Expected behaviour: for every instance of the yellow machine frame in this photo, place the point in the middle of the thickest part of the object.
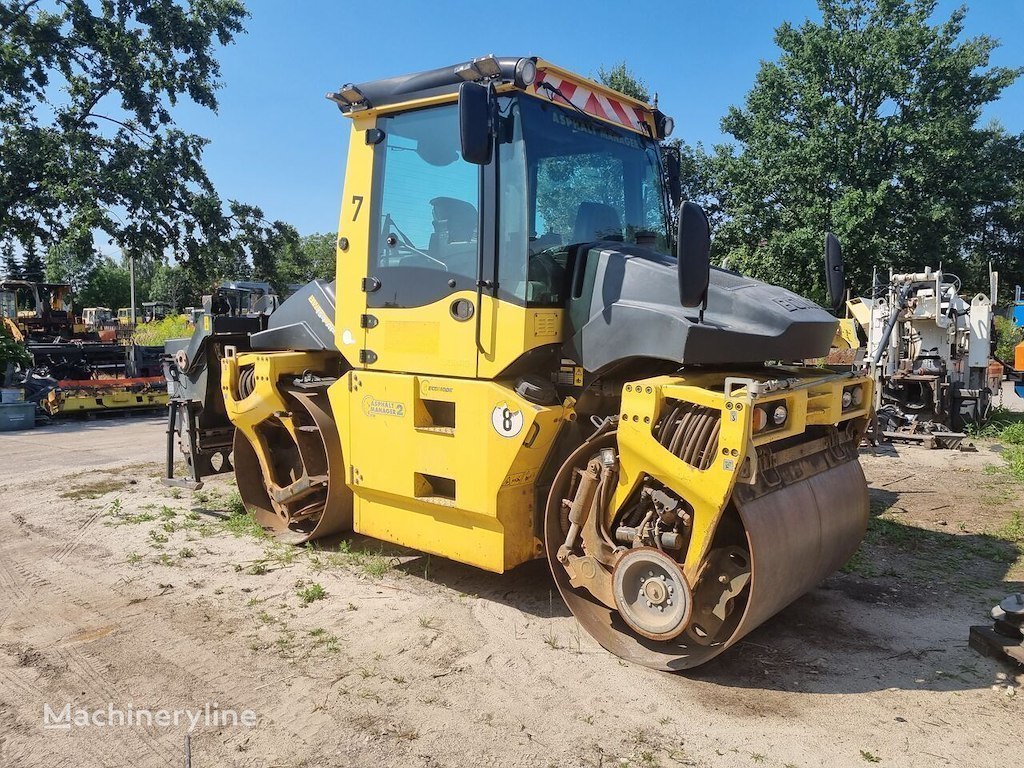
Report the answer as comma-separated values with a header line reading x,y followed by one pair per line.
x,y
428,469
64,402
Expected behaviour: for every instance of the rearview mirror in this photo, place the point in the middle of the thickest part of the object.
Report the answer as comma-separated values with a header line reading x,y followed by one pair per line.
x,y
693,255
475,130
835,276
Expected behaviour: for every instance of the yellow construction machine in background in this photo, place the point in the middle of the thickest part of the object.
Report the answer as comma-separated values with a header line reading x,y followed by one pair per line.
x,y
520,359
77,363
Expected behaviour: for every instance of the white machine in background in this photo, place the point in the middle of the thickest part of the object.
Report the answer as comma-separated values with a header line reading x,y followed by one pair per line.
x,y
933,368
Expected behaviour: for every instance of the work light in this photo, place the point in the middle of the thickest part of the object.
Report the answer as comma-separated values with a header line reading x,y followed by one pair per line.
x,y
483,68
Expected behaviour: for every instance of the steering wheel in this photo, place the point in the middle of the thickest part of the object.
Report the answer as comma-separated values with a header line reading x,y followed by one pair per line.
x,y
544,267
413,254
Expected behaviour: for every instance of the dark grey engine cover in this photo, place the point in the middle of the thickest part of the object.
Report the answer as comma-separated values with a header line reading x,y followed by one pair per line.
x,y
304,322
625,305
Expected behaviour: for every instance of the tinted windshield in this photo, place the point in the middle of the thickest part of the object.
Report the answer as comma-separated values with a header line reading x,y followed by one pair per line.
x,y
566,179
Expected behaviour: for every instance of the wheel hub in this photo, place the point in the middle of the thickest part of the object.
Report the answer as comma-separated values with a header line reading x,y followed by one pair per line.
x,y
651,593
656,591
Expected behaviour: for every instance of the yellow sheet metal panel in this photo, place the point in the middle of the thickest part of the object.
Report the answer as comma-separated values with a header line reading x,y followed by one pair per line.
x,y
445,465
430,340
645,402
846,333
354,232
641,455
427,339
860,312
507,331
265,399
56,404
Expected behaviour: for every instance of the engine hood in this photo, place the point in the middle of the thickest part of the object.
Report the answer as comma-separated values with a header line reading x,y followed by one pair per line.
x,y
624,304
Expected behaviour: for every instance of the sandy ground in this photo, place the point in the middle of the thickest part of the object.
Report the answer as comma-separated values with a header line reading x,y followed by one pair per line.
x,y
118,592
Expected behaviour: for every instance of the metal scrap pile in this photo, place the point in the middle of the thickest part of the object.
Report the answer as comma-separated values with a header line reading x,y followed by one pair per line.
x,y
71,366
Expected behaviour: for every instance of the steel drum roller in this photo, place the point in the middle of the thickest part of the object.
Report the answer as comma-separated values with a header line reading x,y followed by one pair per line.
x,y
796,536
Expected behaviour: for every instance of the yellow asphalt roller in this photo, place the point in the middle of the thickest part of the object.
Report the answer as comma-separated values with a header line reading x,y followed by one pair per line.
x,y
521,358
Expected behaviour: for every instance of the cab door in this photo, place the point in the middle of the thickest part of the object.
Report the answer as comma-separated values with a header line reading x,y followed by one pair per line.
x,y
425,244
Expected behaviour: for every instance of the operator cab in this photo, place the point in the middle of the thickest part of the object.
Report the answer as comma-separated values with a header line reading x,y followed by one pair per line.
x,y
468,253
560,178
45,309
241,298
155,310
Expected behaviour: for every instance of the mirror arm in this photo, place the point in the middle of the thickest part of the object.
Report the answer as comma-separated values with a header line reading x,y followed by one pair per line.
x,y
496,185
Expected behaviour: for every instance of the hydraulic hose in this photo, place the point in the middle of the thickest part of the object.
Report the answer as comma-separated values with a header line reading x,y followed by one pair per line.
x,y
894,316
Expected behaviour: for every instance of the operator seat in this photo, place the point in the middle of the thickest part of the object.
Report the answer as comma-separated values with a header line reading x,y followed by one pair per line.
x,y
596,221
454,240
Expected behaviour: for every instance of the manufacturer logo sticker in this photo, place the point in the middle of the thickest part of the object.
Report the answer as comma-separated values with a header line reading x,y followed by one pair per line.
x,y
506,422
374,407
321,314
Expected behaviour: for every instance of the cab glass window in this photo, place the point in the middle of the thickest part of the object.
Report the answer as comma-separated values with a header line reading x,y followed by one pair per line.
x,y
429,195
584,181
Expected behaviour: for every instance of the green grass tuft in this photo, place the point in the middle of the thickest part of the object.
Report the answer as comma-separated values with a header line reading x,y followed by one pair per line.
x,y
244,524
234,504
1013,531
310,593
1013,433
1013,455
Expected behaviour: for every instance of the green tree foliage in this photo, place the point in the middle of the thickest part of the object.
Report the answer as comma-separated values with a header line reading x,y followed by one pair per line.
x,y
89,143
89,146
242,245
1008,335
868,125
175,285
87,93
998,233
321,252
109,285
32,266
622,79
11,265
306,258
71,261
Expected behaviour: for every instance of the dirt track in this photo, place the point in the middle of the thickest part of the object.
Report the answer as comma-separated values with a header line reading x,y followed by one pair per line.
x,y
114,589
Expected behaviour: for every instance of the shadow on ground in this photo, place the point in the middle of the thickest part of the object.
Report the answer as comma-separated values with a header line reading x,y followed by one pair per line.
x,y
897,616
851,635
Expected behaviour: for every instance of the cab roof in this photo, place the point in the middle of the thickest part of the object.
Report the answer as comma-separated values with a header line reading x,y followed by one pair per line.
x,y
506,72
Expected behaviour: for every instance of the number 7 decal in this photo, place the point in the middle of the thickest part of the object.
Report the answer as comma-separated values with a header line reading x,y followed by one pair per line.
x,y
357,200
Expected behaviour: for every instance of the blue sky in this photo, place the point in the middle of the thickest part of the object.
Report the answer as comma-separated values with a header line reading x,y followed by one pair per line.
x,y
278,143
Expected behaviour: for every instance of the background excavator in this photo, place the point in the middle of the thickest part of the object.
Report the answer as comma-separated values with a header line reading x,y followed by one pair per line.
x,y
523,358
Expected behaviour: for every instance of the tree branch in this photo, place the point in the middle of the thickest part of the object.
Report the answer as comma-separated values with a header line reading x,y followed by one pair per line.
x,y
15,15
141,134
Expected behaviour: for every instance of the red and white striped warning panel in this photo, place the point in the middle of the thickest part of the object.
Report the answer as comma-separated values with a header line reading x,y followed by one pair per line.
x,y
590,101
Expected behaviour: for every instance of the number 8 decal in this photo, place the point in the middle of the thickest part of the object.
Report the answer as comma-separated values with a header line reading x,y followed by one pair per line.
x,y
506,422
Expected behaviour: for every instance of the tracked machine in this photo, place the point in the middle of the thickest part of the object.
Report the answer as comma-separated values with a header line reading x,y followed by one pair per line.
x,y
521,358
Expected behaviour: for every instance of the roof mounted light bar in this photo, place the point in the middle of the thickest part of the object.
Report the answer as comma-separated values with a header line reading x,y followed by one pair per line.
x,y
481,68
489,68
349,99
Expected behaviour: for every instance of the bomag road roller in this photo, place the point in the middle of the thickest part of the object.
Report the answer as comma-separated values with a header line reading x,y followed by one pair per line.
x,y
523,357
